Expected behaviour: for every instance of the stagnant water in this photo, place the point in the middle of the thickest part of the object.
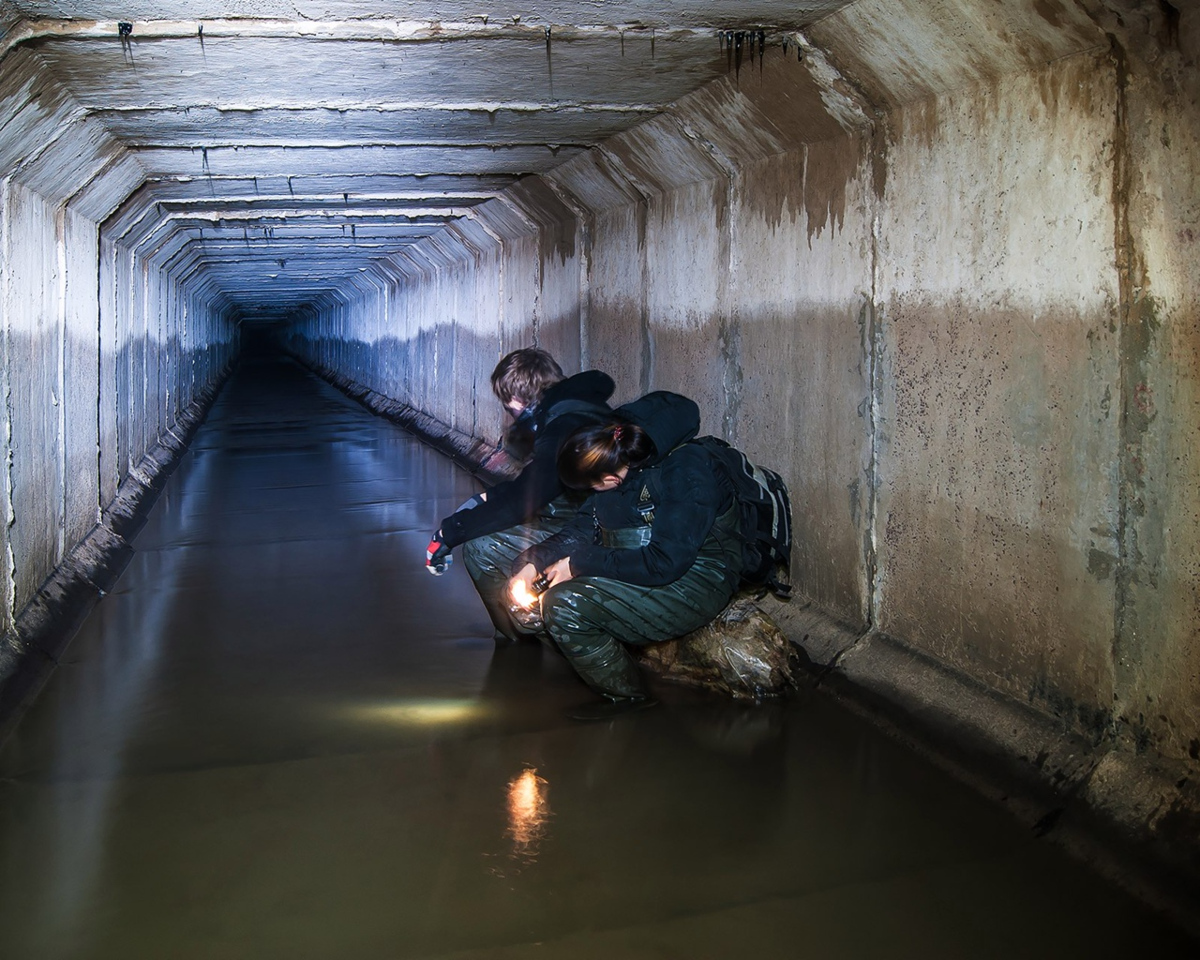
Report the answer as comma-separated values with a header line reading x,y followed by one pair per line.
x,y
279,737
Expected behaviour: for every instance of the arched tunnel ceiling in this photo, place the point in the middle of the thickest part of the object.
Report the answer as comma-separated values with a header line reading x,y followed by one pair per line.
x,y
283,147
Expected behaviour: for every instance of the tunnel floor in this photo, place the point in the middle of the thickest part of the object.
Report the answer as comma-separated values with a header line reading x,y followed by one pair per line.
x,y
279,737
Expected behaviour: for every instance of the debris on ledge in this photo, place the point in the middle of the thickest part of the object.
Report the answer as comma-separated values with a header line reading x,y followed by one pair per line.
x,y
741,653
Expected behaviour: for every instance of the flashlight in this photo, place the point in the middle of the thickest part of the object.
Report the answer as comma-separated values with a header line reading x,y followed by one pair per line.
x,y
525,608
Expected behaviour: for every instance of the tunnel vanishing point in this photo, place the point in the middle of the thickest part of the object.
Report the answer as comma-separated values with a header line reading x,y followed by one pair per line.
x,y
934,260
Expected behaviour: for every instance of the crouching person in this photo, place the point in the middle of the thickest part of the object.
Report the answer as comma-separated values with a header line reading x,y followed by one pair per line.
x,y
653,554
494,527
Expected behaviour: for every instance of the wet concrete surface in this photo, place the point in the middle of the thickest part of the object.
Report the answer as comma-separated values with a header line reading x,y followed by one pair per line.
x,y
279,737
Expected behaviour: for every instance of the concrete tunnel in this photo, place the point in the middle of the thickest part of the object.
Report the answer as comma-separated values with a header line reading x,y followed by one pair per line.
x,y
934,260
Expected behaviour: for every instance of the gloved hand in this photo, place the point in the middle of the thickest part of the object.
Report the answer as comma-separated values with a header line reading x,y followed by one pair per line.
x,y
438,557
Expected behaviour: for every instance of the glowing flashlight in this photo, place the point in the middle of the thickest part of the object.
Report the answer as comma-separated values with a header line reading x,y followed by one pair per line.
x,y
525,608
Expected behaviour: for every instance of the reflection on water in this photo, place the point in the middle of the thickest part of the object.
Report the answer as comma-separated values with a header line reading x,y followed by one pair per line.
x,y
423,713
105,713
528,813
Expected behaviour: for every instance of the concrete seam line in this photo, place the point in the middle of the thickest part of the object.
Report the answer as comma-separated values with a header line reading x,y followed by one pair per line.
x,y
10,572
99,377
562,106
60,376
375,29
834,664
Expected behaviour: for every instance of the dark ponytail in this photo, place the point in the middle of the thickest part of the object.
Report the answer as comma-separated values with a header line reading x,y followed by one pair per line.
x,y
594,452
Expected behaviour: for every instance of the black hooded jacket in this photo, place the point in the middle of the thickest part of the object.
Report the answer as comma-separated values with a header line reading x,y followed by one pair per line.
x,y
679,486
518,500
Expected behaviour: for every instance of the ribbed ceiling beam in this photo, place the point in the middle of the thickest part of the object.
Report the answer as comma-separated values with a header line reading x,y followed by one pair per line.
x,y
374,29
292,154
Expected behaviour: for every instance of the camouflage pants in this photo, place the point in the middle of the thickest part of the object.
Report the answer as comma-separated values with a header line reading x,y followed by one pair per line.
x,y
489,561
590,619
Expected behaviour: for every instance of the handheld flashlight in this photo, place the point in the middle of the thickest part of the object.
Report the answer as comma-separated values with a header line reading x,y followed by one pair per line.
x,y
525,608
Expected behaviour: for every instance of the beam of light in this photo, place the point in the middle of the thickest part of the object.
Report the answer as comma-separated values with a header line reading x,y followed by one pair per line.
x,y
528,812
421,713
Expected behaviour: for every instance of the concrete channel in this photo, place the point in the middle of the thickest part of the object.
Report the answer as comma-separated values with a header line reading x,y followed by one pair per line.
x,y
935,261
277,736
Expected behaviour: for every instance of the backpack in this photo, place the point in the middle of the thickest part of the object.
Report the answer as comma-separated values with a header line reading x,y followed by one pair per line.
x,y
765,511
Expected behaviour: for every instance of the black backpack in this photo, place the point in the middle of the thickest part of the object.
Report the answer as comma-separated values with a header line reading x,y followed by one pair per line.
x,y
766,515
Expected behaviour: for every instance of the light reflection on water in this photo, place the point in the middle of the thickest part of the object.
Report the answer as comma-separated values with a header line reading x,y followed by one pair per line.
x,y
528,813
425,712
109,699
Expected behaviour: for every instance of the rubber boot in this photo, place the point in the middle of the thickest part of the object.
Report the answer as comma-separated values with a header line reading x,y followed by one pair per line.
x,y
605,666
610,709
609,670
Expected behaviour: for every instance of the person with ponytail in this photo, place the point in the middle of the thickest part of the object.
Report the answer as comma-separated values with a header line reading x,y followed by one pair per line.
x,y
653,554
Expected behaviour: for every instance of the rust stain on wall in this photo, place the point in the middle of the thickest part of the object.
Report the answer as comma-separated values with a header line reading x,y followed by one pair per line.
x,y
1070,88
920,123
773,191
1049,12
830,168
880,153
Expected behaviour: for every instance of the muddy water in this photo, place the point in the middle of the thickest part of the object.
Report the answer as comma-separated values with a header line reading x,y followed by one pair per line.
x,y
279,737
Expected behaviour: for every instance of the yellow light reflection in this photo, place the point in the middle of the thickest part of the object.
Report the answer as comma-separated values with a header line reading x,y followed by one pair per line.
x,y
528,812
424,713
522,595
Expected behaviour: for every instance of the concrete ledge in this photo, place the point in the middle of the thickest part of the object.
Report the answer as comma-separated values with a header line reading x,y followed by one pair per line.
x,y
44,627
481,459
1134,819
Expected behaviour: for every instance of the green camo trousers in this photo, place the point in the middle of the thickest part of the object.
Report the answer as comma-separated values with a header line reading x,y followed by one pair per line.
x,y
489,561
591,618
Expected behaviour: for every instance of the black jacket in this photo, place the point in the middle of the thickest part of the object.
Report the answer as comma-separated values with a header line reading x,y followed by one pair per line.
x,y
680,487
518,500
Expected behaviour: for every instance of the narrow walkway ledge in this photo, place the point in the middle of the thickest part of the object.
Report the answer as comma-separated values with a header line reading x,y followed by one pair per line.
x,y
1074,791
1070,790
486,461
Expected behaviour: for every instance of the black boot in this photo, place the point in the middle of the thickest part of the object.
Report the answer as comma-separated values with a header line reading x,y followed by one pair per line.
x,y
610,707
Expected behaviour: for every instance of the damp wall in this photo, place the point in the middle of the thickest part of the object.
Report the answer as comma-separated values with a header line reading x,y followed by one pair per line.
x,y
103,356
937,264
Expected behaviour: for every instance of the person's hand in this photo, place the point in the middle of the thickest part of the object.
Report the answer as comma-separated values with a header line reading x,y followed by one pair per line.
x,y
520,587
437,556
559,571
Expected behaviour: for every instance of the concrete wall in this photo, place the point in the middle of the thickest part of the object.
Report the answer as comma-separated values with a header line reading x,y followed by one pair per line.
x,y
102,352
427,329
998,467
941,272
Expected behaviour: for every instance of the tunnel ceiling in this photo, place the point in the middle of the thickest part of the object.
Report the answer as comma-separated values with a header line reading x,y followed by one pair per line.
x,y
280,149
